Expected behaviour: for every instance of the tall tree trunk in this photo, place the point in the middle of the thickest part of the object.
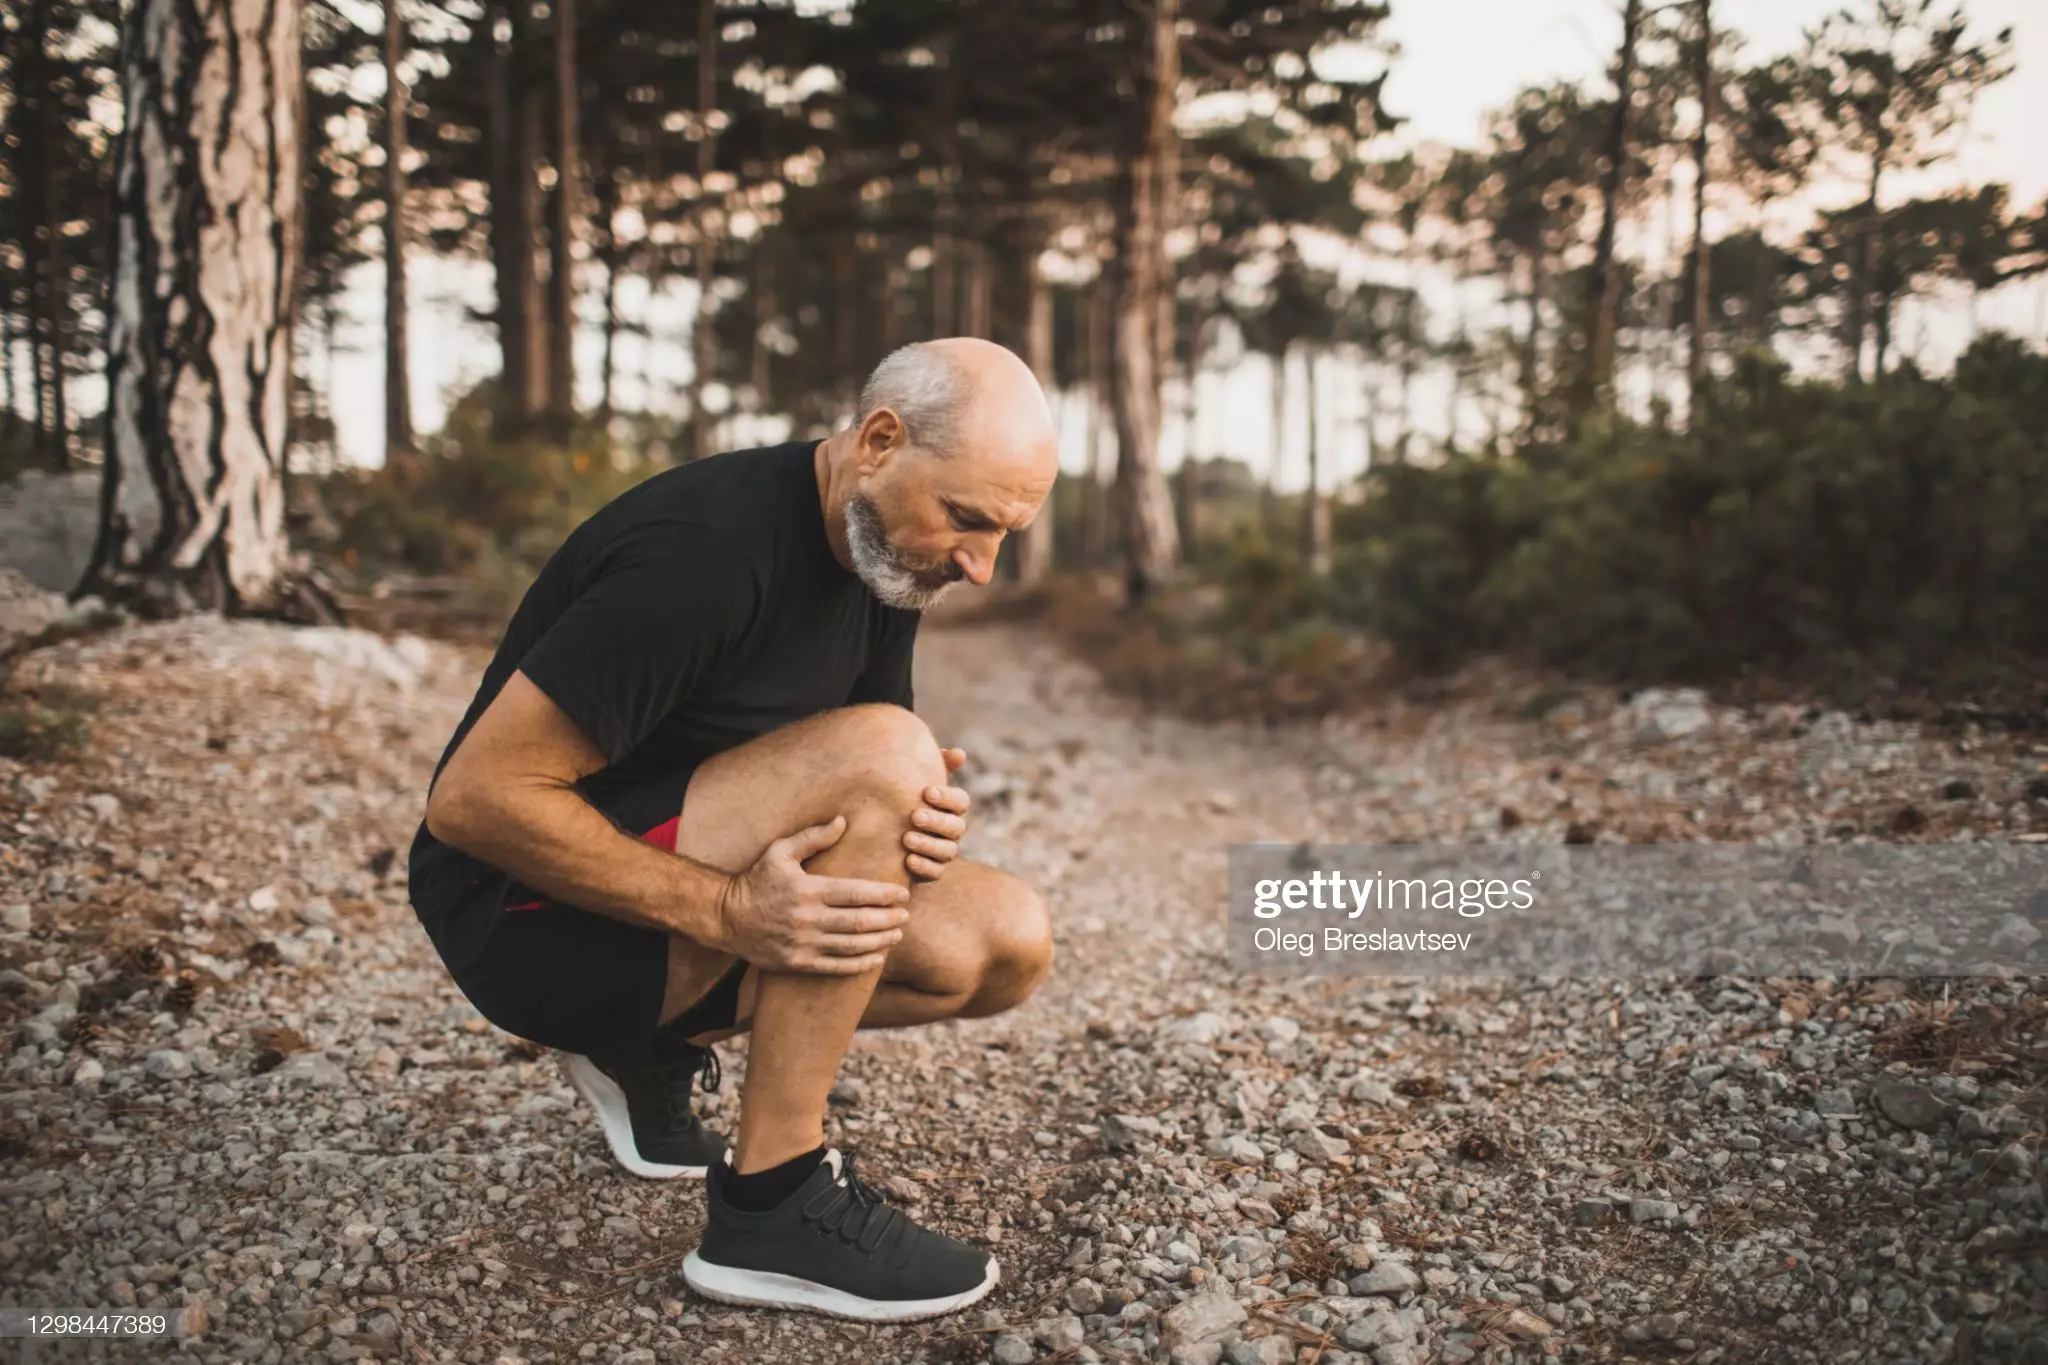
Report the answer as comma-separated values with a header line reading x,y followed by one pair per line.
x,y
32,170
1035,545
1404,434
1095,352
613,260
1276,412
1187,480
1702,295
1532,347
9,398
1866,267
845,287
701,339
398,440
205,260
978,284
1137,269
568,218
764,316
1315,512
512,204
1604,279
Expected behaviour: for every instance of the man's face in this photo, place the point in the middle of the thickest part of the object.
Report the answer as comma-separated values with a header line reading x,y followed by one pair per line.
x,y
919,523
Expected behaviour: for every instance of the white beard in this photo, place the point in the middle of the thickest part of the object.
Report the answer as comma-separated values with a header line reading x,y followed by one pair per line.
x,y
878,563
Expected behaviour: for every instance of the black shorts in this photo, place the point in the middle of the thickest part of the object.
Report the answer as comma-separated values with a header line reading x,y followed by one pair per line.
x,y
555,974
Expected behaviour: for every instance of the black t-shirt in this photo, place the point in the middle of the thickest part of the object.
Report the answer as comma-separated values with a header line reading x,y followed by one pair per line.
x,y
696,611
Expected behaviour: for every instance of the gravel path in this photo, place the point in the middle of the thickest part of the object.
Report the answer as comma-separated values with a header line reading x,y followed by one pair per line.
x,y
241,1092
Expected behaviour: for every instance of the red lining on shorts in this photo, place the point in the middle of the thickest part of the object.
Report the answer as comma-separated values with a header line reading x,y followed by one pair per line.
x,y
662,835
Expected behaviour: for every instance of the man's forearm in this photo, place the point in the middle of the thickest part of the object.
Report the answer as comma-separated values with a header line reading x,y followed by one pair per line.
x,y
554,841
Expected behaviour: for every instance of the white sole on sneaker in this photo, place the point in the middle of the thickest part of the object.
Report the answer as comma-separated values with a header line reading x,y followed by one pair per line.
x,y
603,1094
765,1289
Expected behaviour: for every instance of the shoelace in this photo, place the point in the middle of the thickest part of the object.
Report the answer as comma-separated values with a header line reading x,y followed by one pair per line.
x,y
690,1065
853,1210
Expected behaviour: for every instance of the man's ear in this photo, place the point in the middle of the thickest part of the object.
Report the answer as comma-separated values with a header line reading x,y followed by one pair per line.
x,y
881,436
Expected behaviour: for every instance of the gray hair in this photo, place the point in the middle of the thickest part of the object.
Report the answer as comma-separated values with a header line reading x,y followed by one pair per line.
x,y
927,390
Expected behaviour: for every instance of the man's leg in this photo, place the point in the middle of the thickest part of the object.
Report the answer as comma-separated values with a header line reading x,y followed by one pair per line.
x,y
979,942
960,954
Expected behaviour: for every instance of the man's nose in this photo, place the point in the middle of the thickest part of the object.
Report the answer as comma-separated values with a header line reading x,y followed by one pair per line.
x,y
978,569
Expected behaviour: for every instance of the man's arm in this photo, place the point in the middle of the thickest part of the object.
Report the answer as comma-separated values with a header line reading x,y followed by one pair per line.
x,y
508,796
660,612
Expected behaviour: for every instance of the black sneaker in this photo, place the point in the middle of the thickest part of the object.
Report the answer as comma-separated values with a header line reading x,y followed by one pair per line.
x,y
643,1105
833,1247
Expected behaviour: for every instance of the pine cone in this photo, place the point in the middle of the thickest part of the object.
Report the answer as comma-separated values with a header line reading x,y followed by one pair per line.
x,y
141,959
182,995
85,1031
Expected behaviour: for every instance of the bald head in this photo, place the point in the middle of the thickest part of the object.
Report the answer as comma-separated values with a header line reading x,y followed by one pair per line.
x,y
962,395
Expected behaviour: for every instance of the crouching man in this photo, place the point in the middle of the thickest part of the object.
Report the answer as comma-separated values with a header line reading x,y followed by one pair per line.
x,y
691,799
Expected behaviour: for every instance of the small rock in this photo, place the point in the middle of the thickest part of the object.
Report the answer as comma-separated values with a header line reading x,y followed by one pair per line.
x,y
312,1068
16,917
104,806
263,899
1085,1297
1237,1149
1123,1132
168,1064
1652,1211
1204,1318
1388,1277
1839,1104
1011,1349
1317,1145
1273,1350
1909,1106
1203,1029
1588,1212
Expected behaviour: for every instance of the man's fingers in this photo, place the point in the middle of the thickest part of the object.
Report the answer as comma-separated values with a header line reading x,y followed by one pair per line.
x,y
921,866
938,824
818,964
854,891
954,799
932,846
813,838
861,945
871,921
954,758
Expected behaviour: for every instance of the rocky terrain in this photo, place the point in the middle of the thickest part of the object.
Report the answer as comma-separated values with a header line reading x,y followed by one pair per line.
x,y
239,1091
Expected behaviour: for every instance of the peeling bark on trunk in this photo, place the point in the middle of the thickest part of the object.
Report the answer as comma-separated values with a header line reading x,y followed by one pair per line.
x,y
1137,271
398,439
1035,544
205,259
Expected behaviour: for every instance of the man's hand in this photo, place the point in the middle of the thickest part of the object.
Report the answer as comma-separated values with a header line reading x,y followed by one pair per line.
x,y
938,826
782,918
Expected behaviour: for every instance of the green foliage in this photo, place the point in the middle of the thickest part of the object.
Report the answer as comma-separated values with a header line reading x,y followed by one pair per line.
x,y
483,500
1897,529
46,725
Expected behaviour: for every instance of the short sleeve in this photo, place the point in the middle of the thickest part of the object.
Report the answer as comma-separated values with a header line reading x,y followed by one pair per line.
x,y
887,675
665,606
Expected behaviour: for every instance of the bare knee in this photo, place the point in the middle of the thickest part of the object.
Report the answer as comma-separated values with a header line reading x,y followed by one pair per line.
x,y
885,755
1016,951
